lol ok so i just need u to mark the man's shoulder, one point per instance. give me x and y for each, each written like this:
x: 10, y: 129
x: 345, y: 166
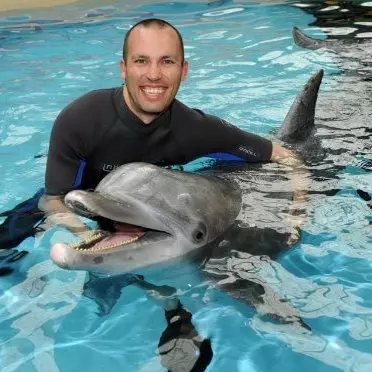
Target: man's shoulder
x: 93, y: 97
x: 195, y: 117
x: 180, y: 109
x: 90, y: 105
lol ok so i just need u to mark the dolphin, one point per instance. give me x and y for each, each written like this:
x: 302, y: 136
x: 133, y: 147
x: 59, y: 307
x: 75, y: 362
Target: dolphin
x: 172, y: 214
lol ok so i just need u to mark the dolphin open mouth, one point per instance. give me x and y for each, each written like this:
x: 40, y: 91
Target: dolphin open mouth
x: 122, y: 226
x: 120, y: 223
x: 100, y: 243
x: 119, y: 235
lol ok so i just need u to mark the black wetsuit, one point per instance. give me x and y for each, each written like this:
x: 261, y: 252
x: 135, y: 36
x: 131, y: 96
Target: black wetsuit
x: 97, y: 132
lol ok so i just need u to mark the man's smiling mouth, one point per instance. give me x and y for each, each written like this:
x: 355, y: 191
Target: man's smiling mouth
x: 153, y: 91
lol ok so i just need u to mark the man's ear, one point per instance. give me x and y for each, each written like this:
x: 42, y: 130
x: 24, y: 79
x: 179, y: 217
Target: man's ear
x: 185, y: 69
x: 123, y: 69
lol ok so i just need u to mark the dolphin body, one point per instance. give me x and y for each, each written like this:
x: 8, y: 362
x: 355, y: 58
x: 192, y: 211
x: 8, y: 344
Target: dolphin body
x: 182, y: 213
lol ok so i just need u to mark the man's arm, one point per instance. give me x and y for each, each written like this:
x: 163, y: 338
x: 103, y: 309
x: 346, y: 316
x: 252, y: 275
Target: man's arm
x: 299, y: 177
x: 70, y: 141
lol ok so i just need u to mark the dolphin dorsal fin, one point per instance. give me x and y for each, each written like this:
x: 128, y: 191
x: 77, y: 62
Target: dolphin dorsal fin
x: 299, y: 122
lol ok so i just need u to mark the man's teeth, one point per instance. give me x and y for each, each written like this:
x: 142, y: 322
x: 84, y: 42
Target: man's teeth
x: 154, y: 90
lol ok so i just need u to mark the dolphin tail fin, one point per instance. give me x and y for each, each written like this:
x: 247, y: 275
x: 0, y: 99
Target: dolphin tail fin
x: 308, y: 42
x: 305, y: 41
x: 299, y: 122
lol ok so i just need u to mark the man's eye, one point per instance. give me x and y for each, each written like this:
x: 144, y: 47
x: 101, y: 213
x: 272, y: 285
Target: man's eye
x: 140, y: 61
x: 168, y: 61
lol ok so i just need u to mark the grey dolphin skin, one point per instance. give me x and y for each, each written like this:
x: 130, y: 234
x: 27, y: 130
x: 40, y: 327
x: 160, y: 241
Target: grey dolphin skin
x: 177, y: 212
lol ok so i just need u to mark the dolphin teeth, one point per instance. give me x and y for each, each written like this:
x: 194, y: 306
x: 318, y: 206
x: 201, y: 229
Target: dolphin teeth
x: 89, y: 239
x: 96, y: 236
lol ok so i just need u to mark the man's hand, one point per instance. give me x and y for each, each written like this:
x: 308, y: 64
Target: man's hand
x: 59, y: 214
x: 300, y: 179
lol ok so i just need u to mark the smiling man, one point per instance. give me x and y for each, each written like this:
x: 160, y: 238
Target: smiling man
x: 141, y: 121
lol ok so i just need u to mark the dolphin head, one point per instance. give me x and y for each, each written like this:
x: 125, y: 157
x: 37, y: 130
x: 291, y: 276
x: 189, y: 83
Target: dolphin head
x: 171, y: 214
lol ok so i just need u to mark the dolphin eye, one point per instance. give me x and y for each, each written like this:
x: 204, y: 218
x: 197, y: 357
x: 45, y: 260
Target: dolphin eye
x: 199, y: 234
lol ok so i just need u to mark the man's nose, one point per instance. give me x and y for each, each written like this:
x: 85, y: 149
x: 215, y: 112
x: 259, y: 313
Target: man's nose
x: 154, y: 71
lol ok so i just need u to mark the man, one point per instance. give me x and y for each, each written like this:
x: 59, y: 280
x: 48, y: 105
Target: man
x: 141, y: 121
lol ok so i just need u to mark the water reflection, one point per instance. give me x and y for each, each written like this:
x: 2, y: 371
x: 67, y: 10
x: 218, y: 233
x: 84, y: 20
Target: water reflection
x: 343, y: 121
x: 340, y: 19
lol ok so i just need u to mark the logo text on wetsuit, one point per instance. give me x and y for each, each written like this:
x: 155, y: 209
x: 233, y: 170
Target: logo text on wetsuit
x: 110, y: 167
x: 247, y: 151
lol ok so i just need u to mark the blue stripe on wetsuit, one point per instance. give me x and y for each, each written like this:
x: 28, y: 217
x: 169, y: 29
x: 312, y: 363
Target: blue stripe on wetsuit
x: 224, y: 156
x: 79, y: 175
x: 28, y: 207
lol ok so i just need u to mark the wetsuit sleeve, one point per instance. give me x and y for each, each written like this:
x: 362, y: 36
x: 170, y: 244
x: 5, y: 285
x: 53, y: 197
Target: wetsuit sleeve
x: 68, y: 148
x: 215, y: 137
x: 226, y: 139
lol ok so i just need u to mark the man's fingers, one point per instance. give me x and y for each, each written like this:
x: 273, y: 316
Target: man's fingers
x: 295, y: 236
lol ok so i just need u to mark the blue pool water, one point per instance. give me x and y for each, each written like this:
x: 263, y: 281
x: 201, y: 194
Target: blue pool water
x: 245, y: 68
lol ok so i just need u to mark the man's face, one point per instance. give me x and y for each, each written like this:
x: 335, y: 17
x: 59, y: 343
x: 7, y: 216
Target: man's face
x: 152, y: 70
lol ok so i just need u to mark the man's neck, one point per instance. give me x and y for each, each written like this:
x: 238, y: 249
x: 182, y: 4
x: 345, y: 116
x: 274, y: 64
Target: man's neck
x: 145, y: 118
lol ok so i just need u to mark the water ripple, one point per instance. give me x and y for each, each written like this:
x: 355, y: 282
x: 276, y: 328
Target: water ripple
x: 245, y: 68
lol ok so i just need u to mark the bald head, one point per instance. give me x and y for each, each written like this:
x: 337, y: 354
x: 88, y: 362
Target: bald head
x: 151, y: 23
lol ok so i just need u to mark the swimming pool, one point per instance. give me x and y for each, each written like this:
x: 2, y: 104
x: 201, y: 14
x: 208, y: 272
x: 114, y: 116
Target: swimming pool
x: 245, y: 68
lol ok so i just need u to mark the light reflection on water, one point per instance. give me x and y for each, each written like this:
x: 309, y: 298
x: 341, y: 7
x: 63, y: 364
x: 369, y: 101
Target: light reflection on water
x: 245, y: 68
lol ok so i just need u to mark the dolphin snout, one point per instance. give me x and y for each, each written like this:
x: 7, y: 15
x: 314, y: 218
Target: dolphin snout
x: 60, y: 254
